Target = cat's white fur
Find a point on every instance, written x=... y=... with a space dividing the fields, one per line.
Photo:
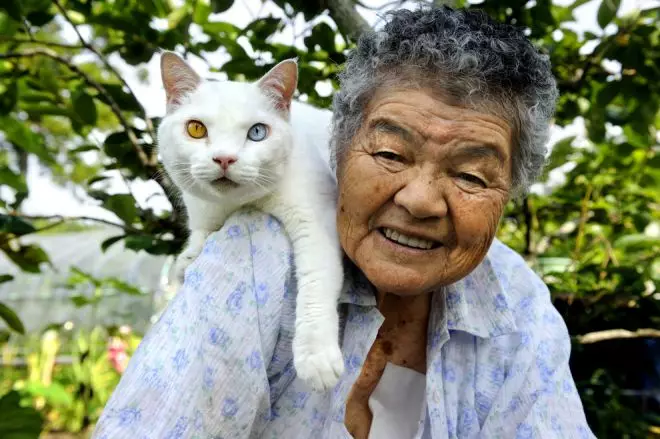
x=284 y=174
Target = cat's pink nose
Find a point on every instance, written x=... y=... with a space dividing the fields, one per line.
x=224 y=161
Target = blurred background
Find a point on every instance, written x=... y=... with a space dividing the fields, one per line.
x=89 y=222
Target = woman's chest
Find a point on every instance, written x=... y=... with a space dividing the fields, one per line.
x=463 y=375
x=400 y=341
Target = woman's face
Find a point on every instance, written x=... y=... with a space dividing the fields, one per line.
x=421 y=190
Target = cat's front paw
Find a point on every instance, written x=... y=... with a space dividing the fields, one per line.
x=317 y=363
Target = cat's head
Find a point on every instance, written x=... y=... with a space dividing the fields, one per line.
x=221 y=138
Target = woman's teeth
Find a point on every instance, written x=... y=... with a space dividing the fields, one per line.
x=406 y=240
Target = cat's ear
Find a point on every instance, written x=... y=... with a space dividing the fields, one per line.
x=280 y=83
x=179 y=78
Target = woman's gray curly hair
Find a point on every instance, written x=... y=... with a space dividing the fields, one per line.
x=480 y=63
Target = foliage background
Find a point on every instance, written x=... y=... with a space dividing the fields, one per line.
x=592 y=230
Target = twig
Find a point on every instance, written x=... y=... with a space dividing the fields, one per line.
x=143 y=112
x=527 y=213
x=28 y=31
x=50 y=226
x=584 y=212
x=614 y=334
x=40 y=42
x=252 y=16
x=28 y=53
x=173 y=196
x=61 y=218
x=379 y=7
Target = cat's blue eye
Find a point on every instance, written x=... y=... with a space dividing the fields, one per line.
x=257 y=132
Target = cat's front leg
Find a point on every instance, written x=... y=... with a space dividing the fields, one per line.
x=193 y=249
x=319 y=272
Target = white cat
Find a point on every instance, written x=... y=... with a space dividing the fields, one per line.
x=230 y=144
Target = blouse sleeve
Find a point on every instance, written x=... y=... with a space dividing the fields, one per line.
x=538 y=398
x=203 y=369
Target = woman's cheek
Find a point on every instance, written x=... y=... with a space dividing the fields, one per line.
x=476 y=221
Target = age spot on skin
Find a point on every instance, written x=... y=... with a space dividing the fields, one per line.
x=387 y=347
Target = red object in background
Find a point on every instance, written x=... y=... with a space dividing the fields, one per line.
x=117 y=354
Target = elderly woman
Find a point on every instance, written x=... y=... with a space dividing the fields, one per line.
x=446 y=333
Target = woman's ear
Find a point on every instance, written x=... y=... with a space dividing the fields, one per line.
x=179 y=79
x=280 y=83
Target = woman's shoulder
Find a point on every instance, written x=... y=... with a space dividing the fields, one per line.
x=252 y=225
x=251 y=251
x=526 y=293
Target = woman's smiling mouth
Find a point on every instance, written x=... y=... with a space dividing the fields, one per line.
x=407 y=240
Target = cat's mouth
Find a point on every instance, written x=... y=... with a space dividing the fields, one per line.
x=224 y=183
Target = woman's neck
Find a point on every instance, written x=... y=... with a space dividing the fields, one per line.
x=405 y=327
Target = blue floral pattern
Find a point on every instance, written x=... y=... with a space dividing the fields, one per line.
x=218 y=363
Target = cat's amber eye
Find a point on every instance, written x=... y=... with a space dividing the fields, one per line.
x=196 y=129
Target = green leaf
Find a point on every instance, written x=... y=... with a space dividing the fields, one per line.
x=28 y=257
x=12 y=320
x=220 y=27
x=84 y=106
x=607 y=11
x=13 y=9
x=201 y=12
x=17 y=422
x=13 y=179
x=8 y=27
x=22 y=136
x=84 y=148
x=637 y=241
x=607 y=94
x=80 y=301
x=36 y=5
x=149 y=244
x=117 y=145
x=105 y=245
x=123 y=205
x=15 y=225
x=262 y=28
x=219 y=6
x=8 y=98
x=126 y=101
x=39 y=18
x=323 y=36
x=55 y=394
x=122 y=287
x=96 y=179
x=177 y=16
x=6 y=278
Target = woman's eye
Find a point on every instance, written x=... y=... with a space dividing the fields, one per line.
x=472 y=179
x=196 y=129
x=389 y=155
x=257 y=132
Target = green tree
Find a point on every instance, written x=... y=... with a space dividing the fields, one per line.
x=591 y=237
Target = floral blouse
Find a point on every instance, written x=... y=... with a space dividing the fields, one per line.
x=218 y=363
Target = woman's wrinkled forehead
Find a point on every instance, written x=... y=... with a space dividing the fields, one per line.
x=427 y=111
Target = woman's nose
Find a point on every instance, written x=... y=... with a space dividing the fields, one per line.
x=423 y=198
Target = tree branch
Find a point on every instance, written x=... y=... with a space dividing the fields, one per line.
x=527 y=214
x=173 y=196
x=614 y=334
x=41 y=42
x=348 y=19
x=60 y=219
x=106 y=63
x=28 y=53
